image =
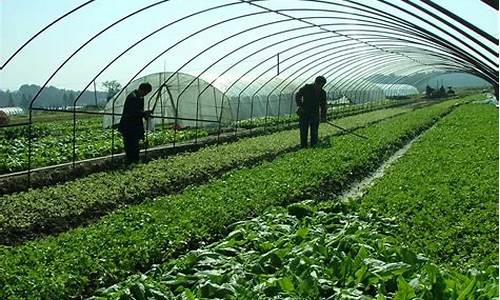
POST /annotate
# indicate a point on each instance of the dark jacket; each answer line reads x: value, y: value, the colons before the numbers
x: 131, y: 124
x: 309, y: 103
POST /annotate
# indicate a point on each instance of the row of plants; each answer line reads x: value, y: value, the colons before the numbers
x: 445, y: 190
x: 52, y: 142
x: 43, y: 129
x: 330, y: 251
x: 333, y: 112
x: 52, y: 209
x: 49, y: 148
x: 307, y: 252
x: 75, y: 263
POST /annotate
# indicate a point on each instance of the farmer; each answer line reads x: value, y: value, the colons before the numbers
x: 310, y: 99
x: 131, y: 126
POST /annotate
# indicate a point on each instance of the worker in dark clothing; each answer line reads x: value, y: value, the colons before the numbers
x: 311, y: 108
x: 131, y: 125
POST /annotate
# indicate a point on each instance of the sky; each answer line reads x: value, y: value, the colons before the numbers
x: 21, y: 19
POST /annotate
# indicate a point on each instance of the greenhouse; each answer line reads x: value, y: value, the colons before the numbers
x: 283, y: 149
x: 12, y: 111
x: 191, y: 102
x: 395, y: 90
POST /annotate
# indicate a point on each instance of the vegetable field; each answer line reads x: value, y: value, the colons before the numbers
x: 261, y: 219
x: 52, y: 143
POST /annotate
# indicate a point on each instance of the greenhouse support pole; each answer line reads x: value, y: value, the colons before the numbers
x: 220, y: 118
x: 279, y: 111
x: 251, y: 114
x: 237, y: 115
x: 112, y: 132
x: 74, y: 137
x: 267, y: 110
x: 197, y: 112
x: 177, y: 110
x: 148, y: 120
x: 30, y: 146
x: 291, y: 106
x: 162, y: 109
x: 278, y: 63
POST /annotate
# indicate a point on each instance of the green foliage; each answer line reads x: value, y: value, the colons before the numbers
x: 57, y: 208
x: 327, y: 255
x: 333, y: 112
x: 445, y: 190
x: 52, y: 142
x: 75, y: 263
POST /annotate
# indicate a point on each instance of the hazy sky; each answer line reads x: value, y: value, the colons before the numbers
x: 20, y: 19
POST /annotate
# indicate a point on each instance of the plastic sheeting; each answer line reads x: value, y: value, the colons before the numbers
x: 398, y: 90
x: 195, y: 102
x: 12, y: 111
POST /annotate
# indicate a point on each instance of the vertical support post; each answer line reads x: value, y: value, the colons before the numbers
x: 74, y: 136
x: 217, y: 114
x: 30, y: 146
x: 279, y: 110
x: 176, y: 123
x: 221, y: 111
x: 162, y: 108
x: 237, y: 115
x: 197, y: 111
x: 251, y: 113
x: 113, y: 131
x: 278, y: 63
x: 267, y: 111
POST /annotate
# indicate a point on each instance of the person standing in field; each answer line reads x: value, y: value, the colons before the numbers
x: 311, y: 108
x: 131, y: 125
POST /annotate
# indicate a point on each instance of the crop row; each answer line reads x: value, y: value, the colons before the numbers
x: 50, y: 149
x: 75, y: 263
x: 445, y: 190
x: 307, y: 252
x: 333, y: 112
x: 336, y: 253
x: 56, y: 208
x: 52, y: 142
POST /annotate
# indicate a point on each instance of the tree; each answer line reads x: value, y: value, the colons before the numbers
x: 71, y: 99
x: 25, y: 103
x: 11, y: 100
x: 112, y: 87
x: 65, y: 99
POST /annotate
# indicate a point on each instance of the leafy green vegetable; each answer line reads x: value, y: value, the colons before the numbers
x: 444, y: 191
x: 57, y: 208
x: 353, y: 260
x: 75, y: 263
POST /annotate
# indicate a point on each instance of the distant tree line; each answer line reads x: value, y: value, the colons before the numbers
x: 49, y: 97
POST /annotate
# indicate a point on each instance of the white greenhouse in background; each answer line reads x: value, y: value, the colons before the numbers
x: 12, y: 111
x: 398, y: 90
x: 196, y: 102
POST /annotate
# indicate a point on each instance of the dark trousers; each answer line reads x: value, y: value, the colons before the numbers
x: 131, y: 145
x: 306, y: 122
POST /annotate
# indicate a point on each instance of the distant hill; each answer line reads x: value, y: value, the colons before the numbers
x: 50, y: 97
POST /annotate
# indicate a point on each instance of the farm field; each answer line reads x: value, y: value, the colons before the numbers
x: 333, y: 112
x: 52, y: 141
x: 60, y: 207
x: 250, y: 150
x: 376, y: 248
x: 445, y: 190
x: 132, y: 239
